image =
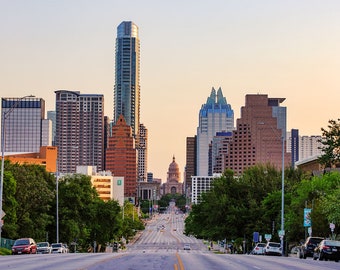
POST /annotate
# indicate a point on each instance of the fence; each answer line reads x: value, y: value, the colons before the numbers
x: 6, y: 243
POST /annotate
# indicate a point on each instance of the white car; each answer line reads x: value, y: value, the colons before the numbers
x: 58, y: 248
x: 44, y: 248
x: 273, y: 248
x: 259, y: 249
x: 187, y: 247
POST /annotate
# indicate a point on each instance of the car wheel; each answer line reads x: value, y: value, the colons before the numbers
x: 320, y: 257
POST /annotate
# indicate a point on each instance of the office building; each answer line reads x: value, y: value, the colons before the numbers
x: 142, y: 153
x: 46, y: 157
x: 79, y: 130
x: 51, y: 115
x: 258, y: 138
x: 215, y: 115
x: 26, y: 128
x: 121, y: 157
x: 219, y: 149
x: 200, y: 185
x: 293, y: 145
x: 190, y: 166
x: 309, y: 146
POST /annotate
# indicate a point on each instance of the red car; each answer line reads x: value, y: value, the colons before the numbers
x: 24, y: 246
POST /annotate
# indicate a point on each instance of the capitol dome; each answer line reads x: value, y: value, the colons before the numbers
x: 173, y: 172
x: 173, y: 184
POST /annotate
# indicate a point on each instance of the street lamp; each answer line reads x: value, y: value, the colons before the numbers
x: 283, y: 196
x: 282, y: 231
x: 4, y: 116
x: 57, y: 202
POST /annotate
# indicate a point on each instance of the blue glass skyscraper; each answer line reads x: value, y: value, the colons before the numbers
x: 215, y: 116
x: 127, y: 84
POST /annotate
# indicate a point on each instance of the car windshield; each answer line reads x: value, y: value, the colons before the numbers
x: 274, y: 245
x: 56, y: 245
x: 261, y: 245
x: 332, y: 243
x: 315, y: 241
x: 42, y: 244
x: 22, y: 242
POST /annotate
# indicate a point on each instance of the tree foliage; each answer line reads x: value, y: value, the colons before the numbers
x: 29, y: 201
x: 236, y: 207
x: 331, y: 144
x: 32, y: 203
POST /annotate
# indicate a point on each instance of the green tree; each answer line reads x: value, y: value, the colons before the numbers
x: 9, y: 205
x: 107, y: 224
x: 131, y: 222
x: 77, y: 209
x: 34, y: 194
x: 331, y: 144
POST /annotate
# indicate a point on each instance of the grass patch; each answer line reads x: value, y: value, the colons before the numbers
x: 5, y: 251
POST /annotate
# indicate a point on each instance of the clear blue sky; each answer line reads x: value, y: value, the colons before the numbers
x: 284, y: 49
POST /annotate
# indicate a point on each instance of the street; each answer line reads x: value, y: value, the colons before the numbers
x: 161, y: 247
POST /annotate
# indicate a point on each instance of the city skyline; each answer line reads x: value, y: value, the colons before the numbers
x: 286, y: 50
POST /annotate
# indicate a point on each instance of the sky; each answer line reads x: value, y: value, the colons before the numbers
x: 288, y: 49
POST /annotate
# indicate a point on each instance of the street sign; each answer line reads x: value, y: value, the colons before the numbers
x: 310, y: 231
x: 281, y: 233
x: 268, y: 237
x: 332, y: 226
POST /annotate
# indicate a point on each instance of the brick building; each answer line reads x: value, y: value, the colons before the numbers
x: 259, y: 136
x: 121, y: 156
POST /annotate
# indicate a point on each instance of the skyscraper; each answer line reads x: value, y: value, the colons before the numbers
x: 127, y: 85
x: 215, y: 116
x: 121, y: 156
x: 79, y: 130
x: 259, y: 135
x: 26, y: 128
x: 142, y: 153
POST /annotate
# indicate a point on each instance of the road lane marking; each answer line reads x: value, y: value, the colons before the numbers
x: 181, y: 266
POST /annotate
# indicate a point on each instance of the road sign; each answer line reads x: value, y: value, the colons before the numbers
x: 268, y: 237
x: 281, y: 233
x: 332, y: 226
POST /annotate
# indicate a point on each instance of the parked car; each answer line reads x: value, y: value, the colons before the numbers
x: 187, y: 247
x: 307, y: 249
x: 24, y: 246
x: 273, y: 248
x: 259, y: 249
x: 44, y: 248
x: 57, y: 248
x: 66, y: 249
x: 327, y: 250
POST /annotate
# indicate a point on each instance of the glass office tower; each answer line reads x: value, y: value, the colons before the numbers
x: 127, y: 85
x: 23, y: 124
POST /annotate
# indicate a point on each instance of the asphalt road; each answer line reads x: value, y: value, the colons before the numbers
x: 160, y: 247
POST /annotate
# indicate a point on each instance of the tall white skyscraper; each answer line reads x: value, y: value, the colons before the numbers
x: 215, y: 116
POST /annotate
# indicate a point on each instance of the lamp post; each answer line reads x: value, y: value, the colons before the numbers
x: 4, y: 116
x: 283, y: 196
x: 57, y: 203
x: 282, y: 231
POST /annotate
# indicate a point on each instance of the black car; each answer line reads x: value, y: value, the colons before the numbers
x: 327, y: 250
x: 307, y: 249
